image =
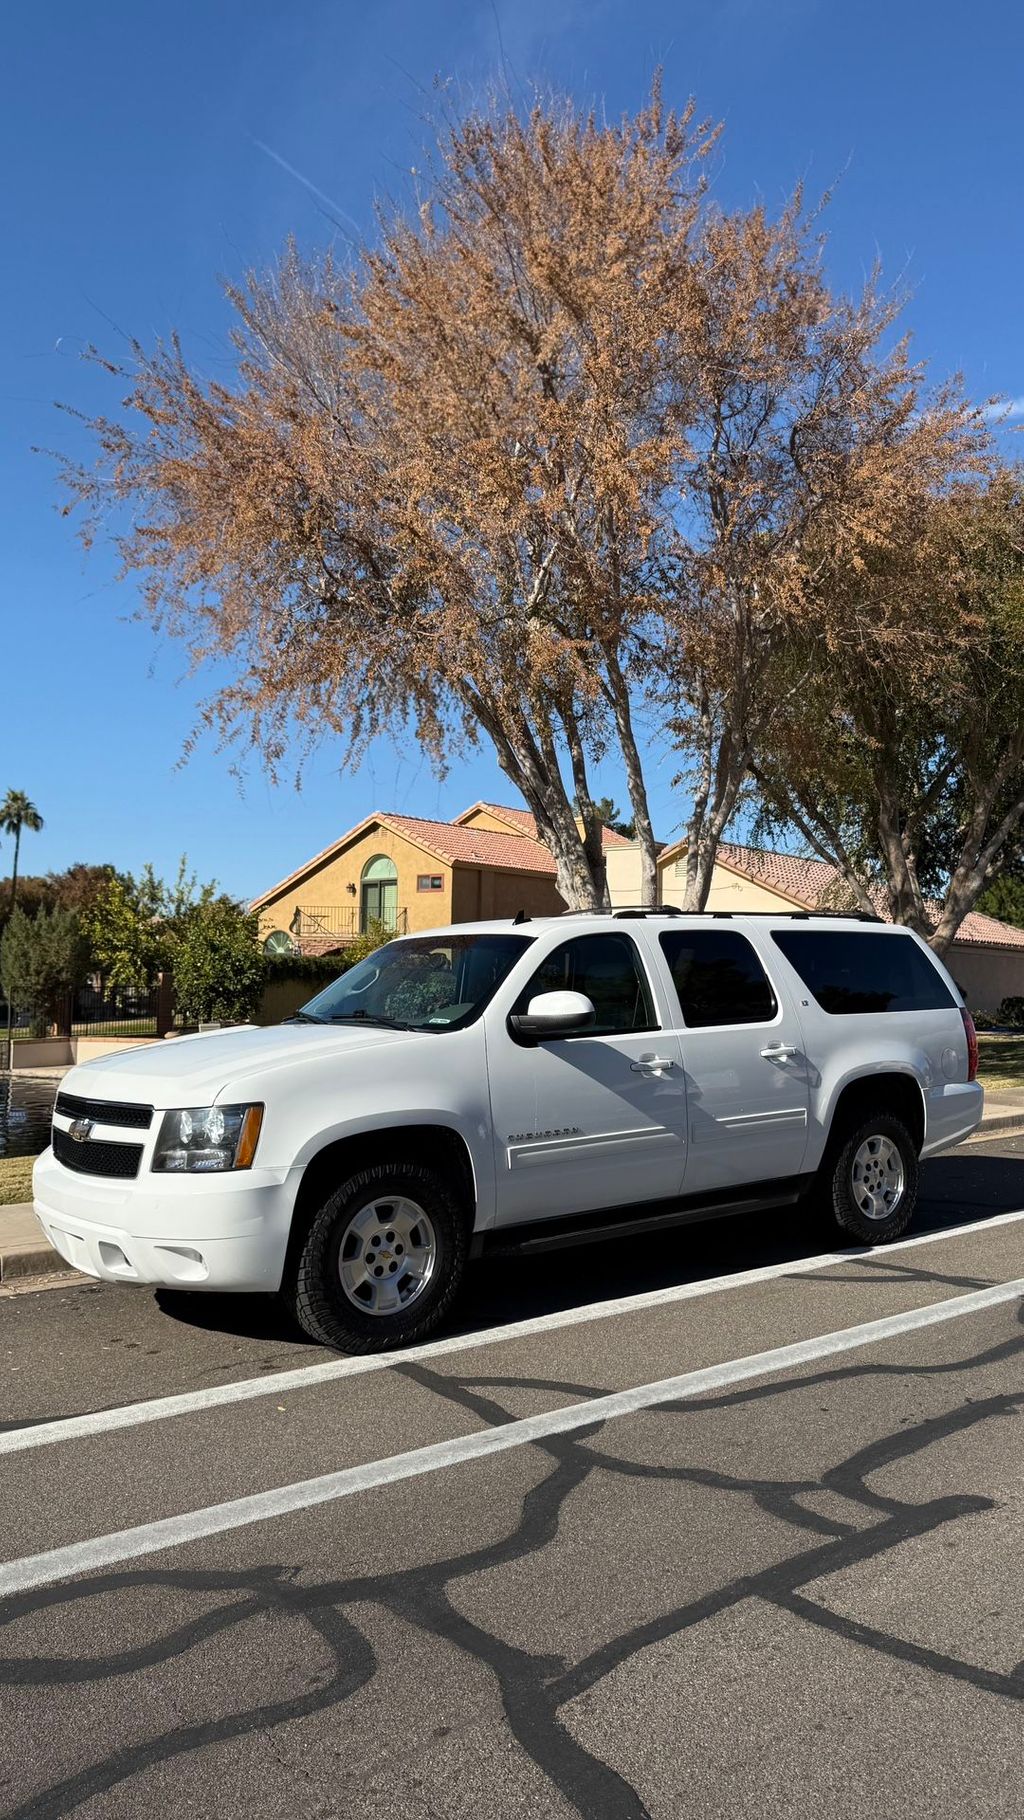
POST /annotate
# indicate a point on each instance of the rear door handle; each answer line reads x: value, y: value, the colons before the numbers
x: 778, y: 1052
x: 648, y: 1062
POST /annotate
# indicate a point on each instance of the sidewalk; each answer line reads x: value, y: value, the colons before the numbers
x: 25, y: 1252
x: 1004, y: 1111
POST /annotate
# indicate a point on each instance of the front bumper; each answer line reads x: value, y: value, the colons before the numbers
x: 227, y: 1233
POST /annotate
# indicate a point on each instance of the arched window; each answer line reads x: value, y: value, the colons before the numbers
x: 379, y: 892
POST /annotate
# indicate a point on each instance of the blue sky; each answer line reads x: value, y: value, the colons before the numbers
x: 134, y: 177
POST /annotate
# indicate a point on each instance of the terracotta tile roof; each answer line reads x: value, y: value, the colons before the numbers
x: 447, y: 841
x: 818, y: 884
x: 324, y: 944
x: 989, y: 932
x: 522, y: 818
x: 808, y: 881
x: 473, y: 846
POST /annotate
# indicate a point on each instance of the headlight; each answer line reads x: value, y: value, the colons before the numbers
x: 201, y: 1139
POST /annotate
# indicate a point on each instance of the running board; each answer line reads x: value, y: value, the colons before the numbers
x: 585, y: 1229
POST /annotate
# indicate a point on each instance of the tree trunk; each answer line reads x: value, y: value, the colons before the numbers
x: 556, y: 827
x: 722, y: 777
x: 619, y: 693
x: 531, y: 765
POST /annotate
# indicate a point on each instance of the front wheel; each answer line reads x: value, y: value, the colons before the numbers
x: 382, y: 1260
x: 873, y: 1180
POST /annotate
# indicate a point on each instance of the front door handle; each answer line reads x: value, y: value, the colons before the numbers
x: 778, y: 1052
x: 648, y: 1063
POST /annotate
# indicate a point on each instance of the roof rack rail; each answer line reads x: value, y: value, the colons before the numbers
x: 801, y: 916
x: 628, y: 910
x: 625, y: 911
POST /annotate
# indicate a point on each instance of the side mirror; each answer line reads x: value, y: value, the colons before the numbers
x: 551, y: 1015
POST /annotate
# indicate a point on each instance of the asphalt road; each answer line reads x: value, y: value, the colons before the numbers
x: 461, y: 1586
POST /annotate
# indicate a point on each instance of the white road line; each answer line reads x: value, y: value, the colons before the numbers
x: 306, y: 1377
x: 239, y: 1513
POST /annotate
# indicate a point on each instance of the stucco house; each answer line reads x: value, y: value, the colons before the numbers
x: 987, y: 958
x: 409, y: 873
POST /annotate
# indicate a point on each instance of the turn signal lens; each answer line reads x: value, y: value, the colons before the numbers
x: 249, y: 1137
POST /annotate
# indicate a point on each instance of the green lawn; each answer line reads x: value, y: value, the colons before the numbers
x: 15, y: 1179
x: 1001, y: 1060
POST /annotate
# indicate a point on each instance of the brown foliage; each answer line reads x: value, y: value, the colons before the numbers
x: 567, y: 445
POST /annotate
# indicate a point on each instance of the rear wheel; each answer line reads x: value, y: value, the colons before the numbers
x: 382, y: 1260
x: 873, y: 1178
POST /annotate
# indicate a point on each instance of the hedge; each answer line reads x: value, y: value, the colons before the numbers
x: 281, y: 967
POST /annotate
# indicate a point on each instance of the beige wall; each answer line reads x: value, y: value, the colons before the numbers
x: 728, y: 891
x: 482, y: 891
x: 327, y: 887
x: 63, y: 1051
x: 41, y: 1052
x: 986, y: 975
x: 622, y: 869
x: 731, y: 892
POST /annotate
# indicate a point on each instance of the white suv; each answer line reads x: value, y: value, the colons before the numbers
x: 516, y: 1086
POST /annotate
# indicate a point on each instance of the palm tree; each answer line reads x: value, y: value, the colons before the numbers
x: 16, y: 812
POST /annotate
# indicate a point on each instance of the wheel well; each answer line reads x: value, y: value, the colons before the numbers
x: 435, y: 1145
x: 898, y: 1094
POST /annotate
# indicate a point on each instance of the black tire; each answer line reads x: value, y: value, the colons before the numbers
x: 847, y: 1193
x: 315, y: 1294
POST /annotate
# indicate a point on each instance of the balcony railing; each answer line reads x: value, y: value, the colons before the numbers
x: 314, y: 929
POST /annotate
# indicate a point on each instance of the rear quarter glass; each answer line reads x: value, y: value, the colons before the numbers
x: 853, y: 972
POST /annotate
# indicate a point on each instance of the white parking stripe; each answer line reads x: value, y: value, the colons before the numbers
x: 239, y: 1513
x: 307, y: 1377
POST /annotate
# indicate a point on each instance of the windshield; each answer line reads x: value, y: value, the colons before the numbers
x: 430, y: 982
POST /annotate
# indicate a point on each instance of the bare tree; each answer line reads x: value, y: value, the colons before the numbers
x: 429, y: 498
x: 566, y: 453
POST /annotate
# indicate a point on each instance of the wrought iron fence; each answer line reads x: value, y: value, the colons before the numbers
x: 95, y: 1009
x: 101, y: 1010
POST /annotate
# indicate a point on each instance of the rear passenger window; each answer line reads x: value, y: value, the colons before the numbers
x: 607, y: 970
x: 718, y: 977
x: 855, y: 971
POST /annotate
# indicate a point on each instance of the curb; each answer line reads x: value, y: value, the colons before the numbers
x: 1000, y: 1126
x: 33, y: 1261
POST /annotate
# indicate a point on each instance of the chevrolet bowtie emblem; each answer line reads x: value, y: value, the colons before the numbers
x: 80, y: 1129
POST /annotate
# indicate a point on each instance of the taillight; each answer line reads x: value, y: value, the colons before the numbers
x: 972, y: 1044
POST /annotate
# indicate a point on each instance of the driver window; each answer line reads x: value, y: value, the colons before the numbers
x: 607, y: 969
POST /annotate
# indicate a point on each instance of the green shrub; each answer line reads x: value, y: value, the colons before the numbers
x: 374, y: 936
x: 219, y: 967
x: 1011, y: 1013
x: 42, y: 959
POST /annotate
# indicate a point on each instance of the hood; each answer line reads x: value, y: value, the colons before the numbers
x: 195, y: 1070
